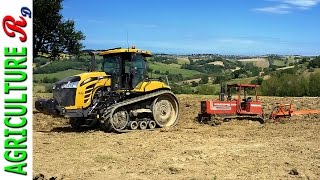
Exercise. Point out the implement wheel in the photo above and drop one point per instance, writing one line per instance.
(165, 110)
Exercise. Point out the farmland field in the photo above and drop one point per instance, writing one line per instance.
(173, 69)
(183, 60)
(242, 80)
(59, 75)
(279, 63)
(233, 150)
(217, 63)
(259, 62)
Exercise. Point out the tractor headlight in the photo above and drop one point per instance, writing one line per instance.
(70, 85)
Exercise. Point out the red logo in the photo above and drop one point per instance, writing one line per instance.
(11, 27)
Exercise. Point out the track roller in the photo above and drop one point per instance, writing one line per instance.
(133, 125)
(143, 125)
(152, 124)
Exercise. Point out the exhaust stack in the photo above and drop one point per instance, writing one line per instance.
(222, 92)
(93, 61)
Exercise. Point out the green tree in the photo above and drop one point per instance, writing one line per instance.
(52, 34)
(194, 84)
(314, 84)
(175, 77)
(206, 89)
(157, 72)
(181, 89)
(315, 63)
(204, 79)
(285, 85)
(150, 70)
(258, 81)
(224, 77)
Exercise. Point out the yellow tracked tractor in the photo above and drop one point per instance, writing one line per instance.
(120, 98)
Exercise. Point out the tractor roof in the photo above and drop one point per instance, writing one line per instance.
(243, 85)
(125, 50)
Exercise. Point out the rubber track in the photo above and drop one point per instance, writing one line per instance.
(107, 126)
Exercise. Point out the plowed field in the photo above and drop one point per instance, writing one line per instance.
(289, 149)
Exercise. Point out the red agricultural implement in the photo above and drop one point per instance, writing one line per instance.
(287, 110)
(239, 107)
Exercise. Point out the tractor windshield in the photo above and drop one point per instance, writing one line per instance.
(126, 69)
(111, 64)
(139, 66)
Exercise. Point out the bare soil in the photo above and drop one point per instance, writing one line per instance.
(289, 149)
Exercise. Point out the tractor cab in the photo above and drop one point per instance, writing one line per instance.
(245, 102)
(126, 66)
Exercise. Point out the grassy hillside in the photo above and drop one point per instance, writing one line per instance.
(242, 80)
(173, 69)
(183, 61)
(59, 75)
(259, 62)
(279, 63)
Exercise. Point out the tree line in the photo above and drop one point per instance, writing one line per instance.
(52, 33)
(291, 84)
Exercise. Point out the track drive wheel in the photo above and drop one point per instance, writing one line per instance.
(165, 110)
(116, 121)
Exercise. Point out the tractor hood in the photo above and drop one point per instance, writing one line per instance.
(74, 81)
(86, 75)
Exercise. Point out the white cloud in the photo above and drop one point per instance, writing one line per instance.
(278, 9)
(287, 6)
(302, 3)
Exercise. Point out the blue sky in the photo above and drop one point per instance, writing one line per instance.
(242, 27)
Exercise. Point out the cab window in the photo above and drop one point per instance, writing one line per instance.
(139, 66)
(111, 64)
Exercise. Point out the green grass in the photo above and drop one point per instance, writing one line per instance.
(89, 57)
(238, 80)
(291, 59)
(307, 73)
(317, 70)
(38, 87)
(59, 75)
(39, 90)
(242, 80)
(279, 63)
(183, 61)
(173, 69)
